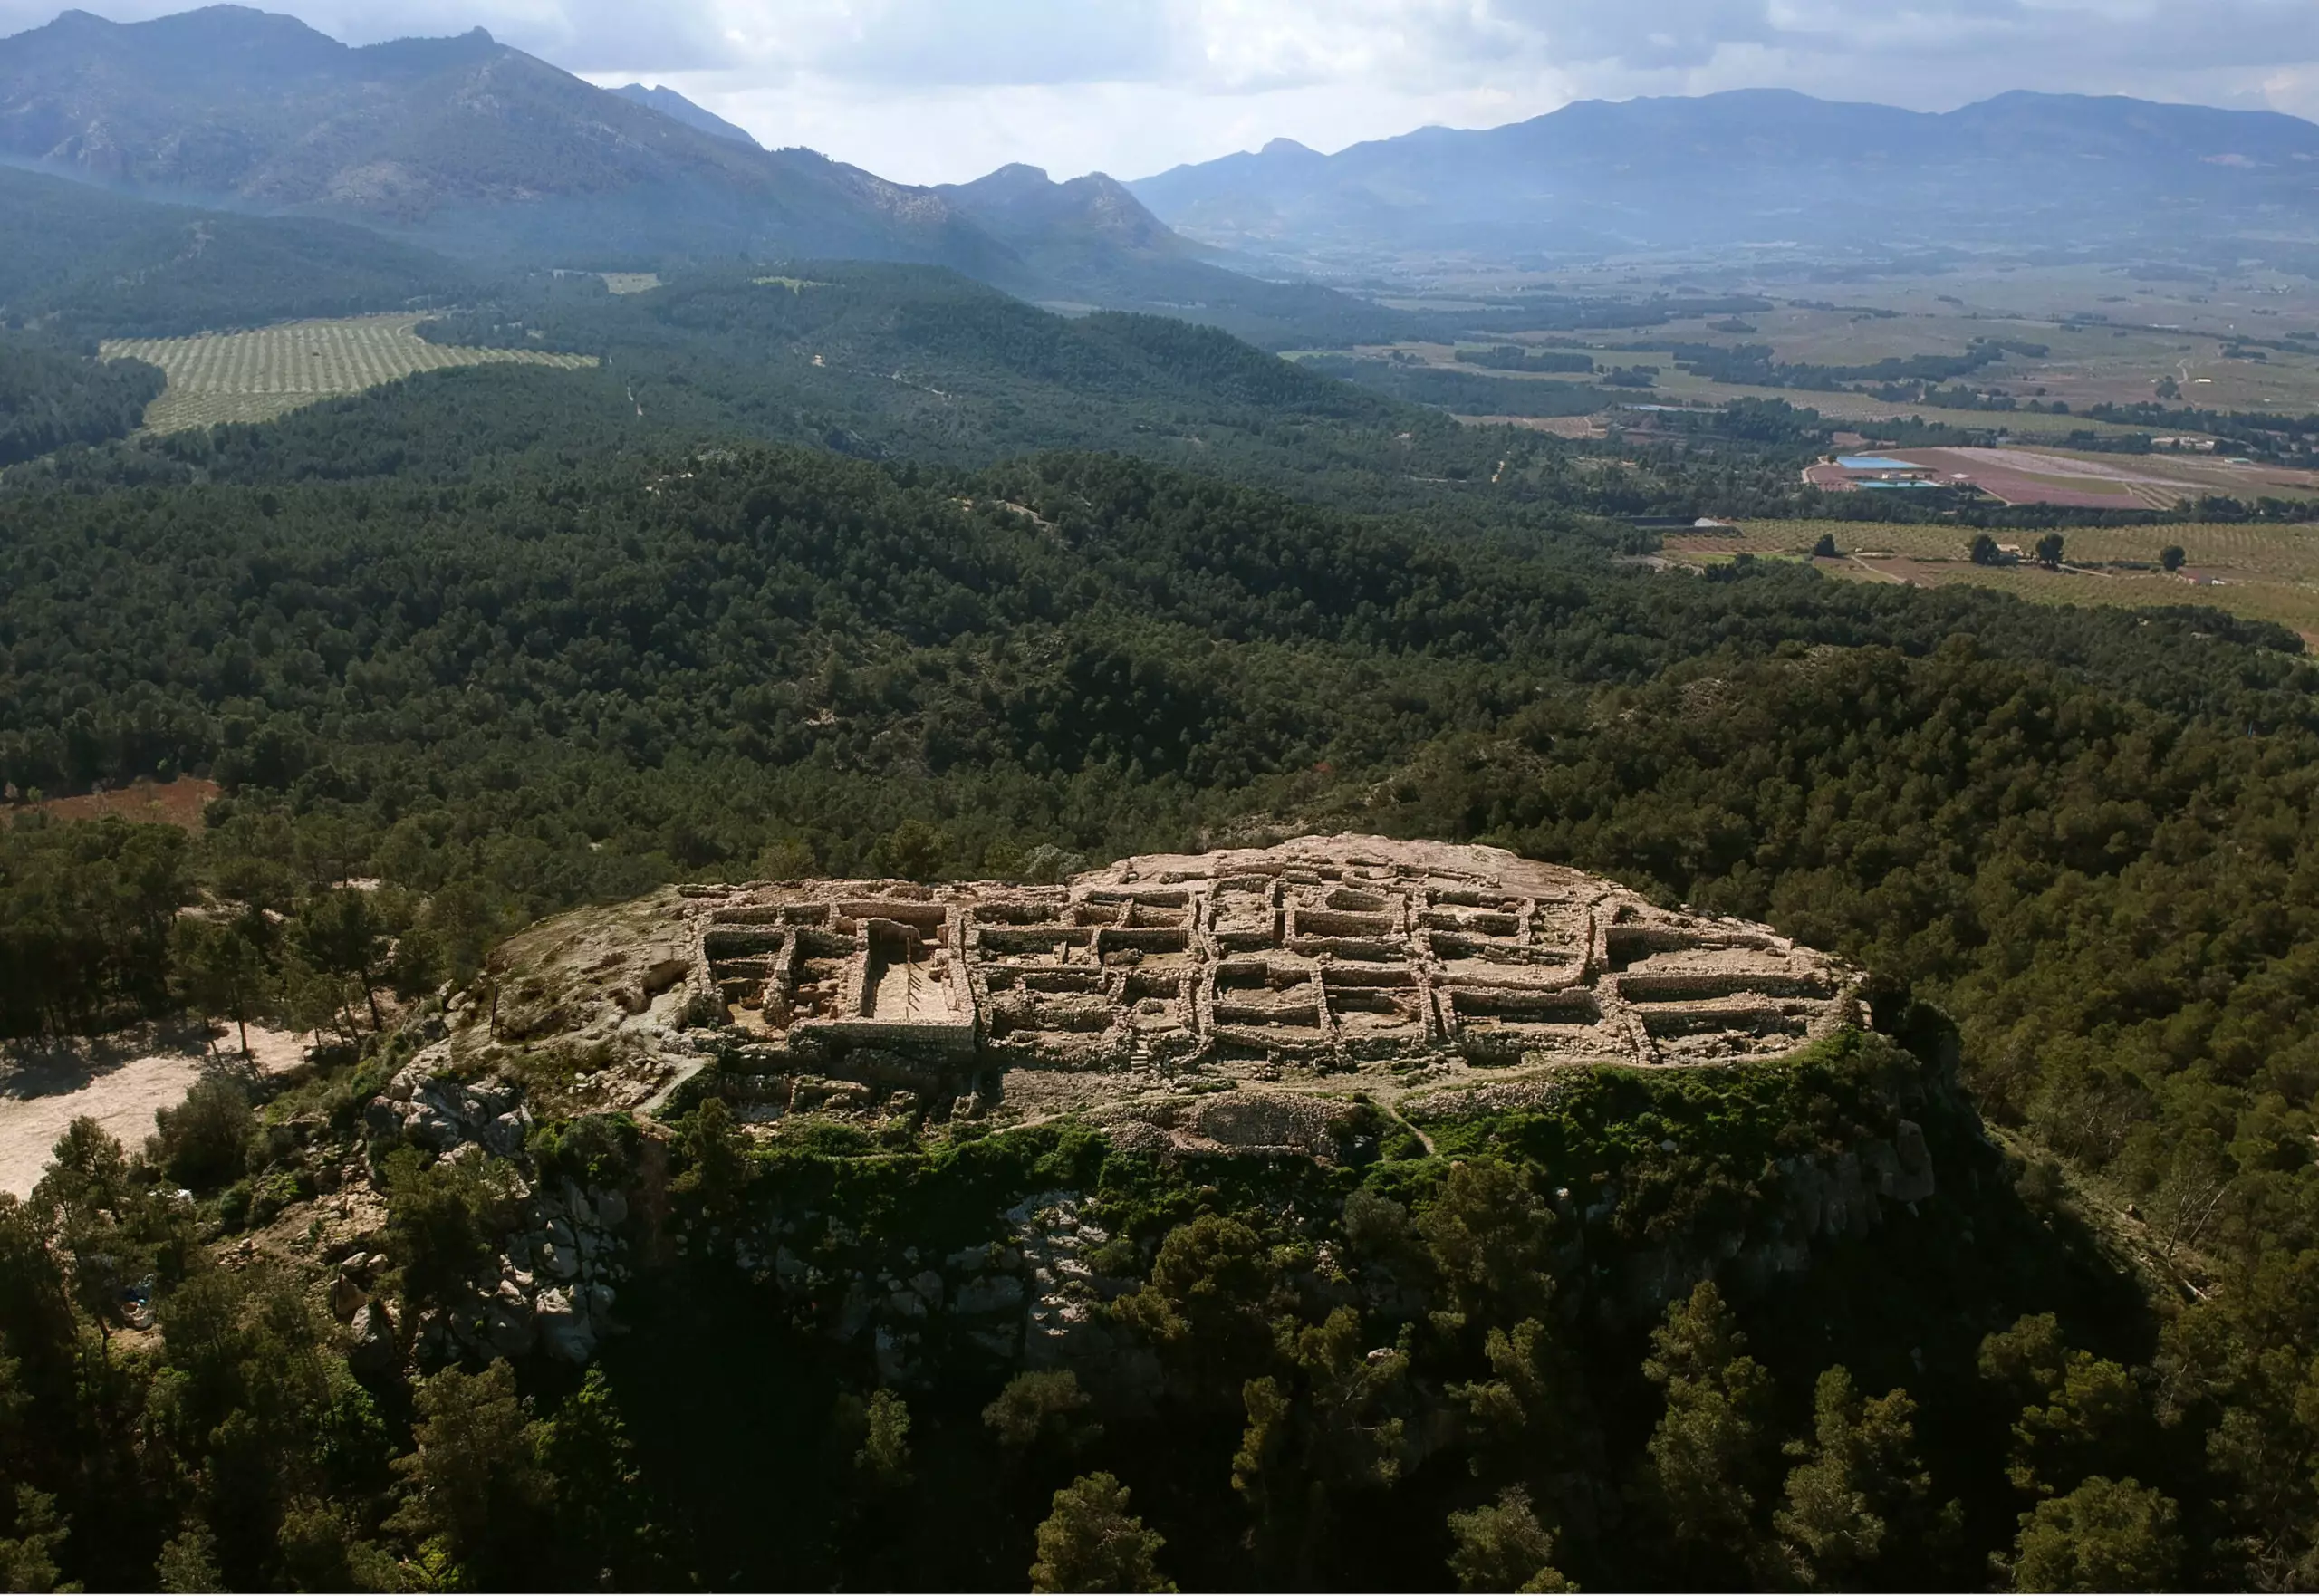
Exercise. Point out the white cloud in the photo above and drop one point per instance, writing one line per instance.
(938, 89)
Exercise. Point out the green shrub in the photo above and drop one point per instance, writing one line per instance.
(203, 1141)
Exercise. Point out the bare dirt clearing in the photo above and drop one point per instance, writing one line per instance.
(120, 1081)
(178, 803)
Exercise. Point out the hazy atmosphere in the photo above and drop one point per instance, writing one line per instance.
(1395, 795)
(929, 91)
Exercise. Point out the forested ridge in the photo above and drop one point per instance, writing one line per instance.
(87, 262)
(492, 645)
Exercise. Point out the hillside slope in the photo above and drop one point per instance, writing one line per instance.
(1092, 237)
(871, 359)
(85, 260)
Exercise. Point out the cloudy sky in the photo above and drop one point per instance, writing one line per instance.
(933, 90)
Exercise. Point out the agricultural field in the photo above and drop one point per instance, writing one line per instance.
(2154, 481)
(1676, 387)
(2110, 335)
(2262, 572)
(220, 376)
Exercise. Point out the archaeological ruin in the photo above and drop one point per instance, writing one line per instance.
(1313, 958)
(1322, 952)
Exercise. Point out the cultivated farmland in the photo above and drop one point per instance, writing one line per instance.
(218, 377)
(2264, 572)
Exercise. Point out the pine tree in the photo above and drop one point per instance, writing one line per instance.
(1090, 1542)
(1706, 1455)
(1859, 1495)
(1503, 1547)
(2105, 1536)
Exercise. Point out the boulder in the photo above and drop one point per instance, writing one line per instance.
(852, 1314)
(1000, 1340)
(507, 1328)
(1912, 1182)
(374, 1352)
(993, 1294)
(565, 1330)
(896, 1357)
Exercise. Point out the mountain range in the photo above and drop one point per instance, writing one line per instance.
(461, 143)
(467, 148)
(1762, 165)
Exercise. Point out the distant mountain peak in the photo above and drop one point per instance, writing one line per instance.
(1028, 210)
(1601, 176)
(478, 147)
(669, 103)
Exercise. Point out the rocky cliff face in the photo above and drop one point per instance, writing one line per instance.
(1026, 1282)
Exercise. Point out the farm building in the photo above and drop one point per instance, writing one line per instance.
(1883, 474)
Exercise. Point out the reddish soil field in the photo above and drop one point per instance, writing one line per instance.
(171, 804)
(2015, 485)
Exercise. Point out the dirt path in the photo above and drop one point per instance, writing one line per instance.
(1877, 571)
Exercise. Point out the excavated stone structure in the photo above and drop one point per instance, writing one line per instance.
(1315, 999)
(1216, 994)
(1319, 955)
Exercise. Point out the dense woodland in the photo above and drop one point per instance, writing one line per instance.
(49, 397)
(500, 644)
